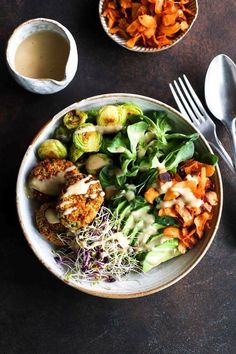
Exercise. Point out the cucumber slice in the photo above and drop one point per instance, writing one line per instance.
(133, 236)
(129, 224)
(160, 254)
(154, 241)
(124, 214)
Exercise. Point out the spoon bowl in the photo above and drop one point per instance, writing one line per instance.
(220, 93)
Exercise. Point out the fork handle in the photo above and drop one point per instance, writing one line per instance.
(216, 143)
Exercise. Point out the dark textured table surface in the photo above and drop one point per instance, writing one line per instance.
(38, 313)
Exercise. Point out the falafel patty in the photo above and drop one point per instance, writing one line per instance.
(79, 202)
(48, 223)
(48, 176)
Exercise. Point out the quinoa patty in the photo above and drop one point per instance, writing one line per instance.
(79, 202)
(48, 224)
(48, 176)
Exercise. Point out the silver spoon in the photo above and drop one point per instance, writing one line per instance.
(220, 94)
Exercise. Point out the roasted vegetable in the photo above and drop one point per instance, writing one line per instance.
(73, 119)
(112, 115)
(63, 134)
(87, 139)
(52, 149)
(74, 153)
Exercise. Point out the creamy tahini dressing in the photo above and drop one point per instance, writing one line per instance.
(71, 168)
(147, 228)
(164, 188)
(51, 216)
(42, 55)
(123, 241)
(130, 195)
(69, 210)
(49, 186)
(186, 198)
(146, 233)
(102, 129)
(80, 187)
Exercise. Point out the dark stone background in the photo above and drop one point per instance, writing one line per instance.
(39, 314)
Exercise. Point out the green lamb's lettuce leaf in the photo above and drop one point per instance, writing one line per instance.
(182, 153)
(136, 132)
(167, 221)
(209, 159)
(180, 136)
(145, 179)
(119, 145)
(138, 203)
(107, 176)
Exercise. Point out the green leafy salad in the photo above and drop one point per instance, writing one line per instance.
(138, 195)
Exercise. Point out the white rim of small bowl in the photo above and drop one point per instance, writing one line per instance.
(153, 290)
(121, 41)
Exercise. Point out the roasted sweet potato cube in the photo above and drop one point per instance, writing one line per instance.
(172, 231)
(167, 212)
(151, 194)
(171, 195)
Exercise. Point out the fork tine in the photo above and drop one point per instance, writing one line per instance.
(191, 101)
(194, 95)
(188, 109)
(179, 103)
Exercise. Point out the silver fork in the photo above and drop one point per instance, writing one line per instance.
(191, 107)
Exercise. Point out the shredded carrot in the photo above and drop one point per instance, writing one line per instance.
(200, 222)
(149, 23)
(192, 166)
(185, 215)
(200, 191)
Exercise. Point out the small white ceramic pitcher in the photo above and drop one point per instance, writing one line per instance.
(42, 86)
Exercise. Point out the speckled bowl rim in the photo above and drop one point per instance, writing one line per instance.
(121, 41)
(153, 290)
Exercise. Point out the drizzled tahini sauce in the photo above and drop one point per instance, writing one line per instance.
(80, 187)
(123, 241)
(164, 188)
(130, 195)
(147, 228)
(102, 129)
(51, 185)
(51, 216)
(186, 196)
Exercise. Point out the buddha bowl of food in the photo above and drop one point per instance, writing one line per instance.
(119, 196)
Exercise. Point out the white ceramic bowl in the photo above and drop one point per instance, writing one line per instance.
(41, 86)
(193, 5)
(137, 284)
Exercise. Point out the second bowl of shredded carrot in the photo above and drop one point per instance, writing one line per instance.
(147, 25)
